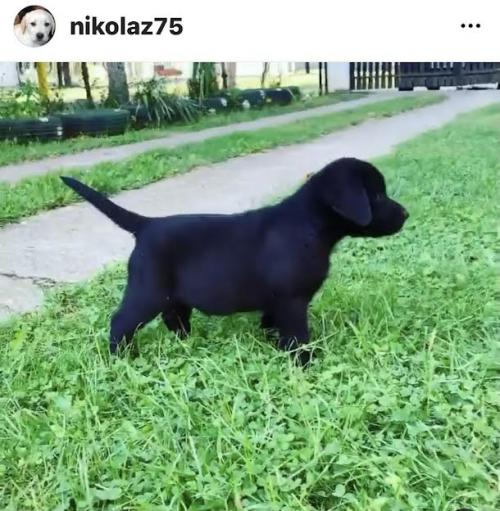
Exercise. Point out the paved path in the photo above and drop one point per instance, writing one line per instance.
(16, 172)
(72, 243)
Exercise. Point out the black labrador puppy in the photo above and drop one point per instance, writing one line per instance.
(271, 260)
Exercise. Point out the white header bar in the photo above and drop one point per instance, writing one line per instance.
(263, 30)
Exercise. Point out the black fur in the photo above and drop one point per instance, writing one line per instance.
(272, 259)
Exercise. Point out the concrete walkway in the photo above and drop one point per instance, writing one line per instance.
(16, 172)
(72, 243)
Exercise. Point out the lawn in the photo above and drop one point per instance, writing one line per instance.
(398, 412)
(309, 83)
(32, 195)
(11, 152)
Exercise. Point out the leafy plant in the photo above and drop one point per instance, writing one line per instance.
(276, 82)
(26, 101)
(22, 102)
(233, 97)
(204, 81)
(55, 105)
(295, 90)
(163, 107)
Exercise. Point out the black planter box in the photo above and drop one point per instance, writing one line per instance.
(95, 122)
(26, 130)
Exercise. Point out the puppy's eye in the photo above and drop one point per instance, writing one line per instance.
(33, 23)
(47, 24)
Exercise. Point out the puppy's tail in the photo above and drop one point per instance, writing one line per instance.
(131, 222)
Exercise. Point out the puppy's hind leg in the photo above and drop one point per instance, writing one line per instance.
(177, 319)
(134, 313)
(268, 324)
(291, 320)
(267, 321)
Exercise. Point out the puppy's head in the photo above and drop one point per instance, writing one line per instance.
(354, 191)
(39, 26)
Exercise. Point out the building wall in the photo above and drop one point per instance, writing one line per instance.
(140, 71)
(338, 76)
(255, 68)
(8, 74)
(242, 68)
(301, 66)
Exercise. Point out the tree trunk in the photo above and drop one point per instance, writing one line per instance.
(66, 74)
(325, 69)
(43, 82)
(59, 74)
(320, 66)
(86, 82)
(223, 75)
(118, 93)
(265, 72)
(231, 74)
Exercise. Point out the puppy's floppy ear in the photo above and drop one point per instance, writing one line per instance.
(349, 199)
(23, 24)
(52, 24)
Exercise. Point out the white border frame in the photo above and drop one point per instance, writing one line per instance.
(271, 30)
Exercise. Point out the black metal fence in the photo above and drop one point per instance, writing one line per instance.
(373, 75)
(432, 75)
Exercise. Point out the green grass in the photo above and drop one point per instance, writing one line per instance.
(39, 193)
(308, 83)
(11, 152)
(398, 412)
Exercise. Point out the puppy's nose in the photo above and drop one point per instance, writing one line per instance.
(39, 35)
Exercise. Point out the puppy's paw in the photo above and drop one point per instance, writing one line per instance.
(181, 334)
(120, 349)
(303, 357)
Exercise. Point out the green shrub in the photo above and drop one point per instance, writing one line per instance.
(295, 90)
(203, 82)
(232, 96)
(26, 101)
(162, 107)
(22, 102)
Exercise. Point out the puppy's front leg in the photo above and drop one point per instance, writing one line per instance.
(177, 319)
(135, 312)
(291, 320)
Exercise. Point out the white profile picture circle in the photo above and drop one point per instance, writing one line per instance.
(34, 26)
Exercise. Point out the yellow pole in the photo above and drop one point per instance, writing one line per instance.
(43, 81)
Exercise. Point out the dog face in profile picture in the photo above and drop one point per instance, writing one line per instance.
(34, 26)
